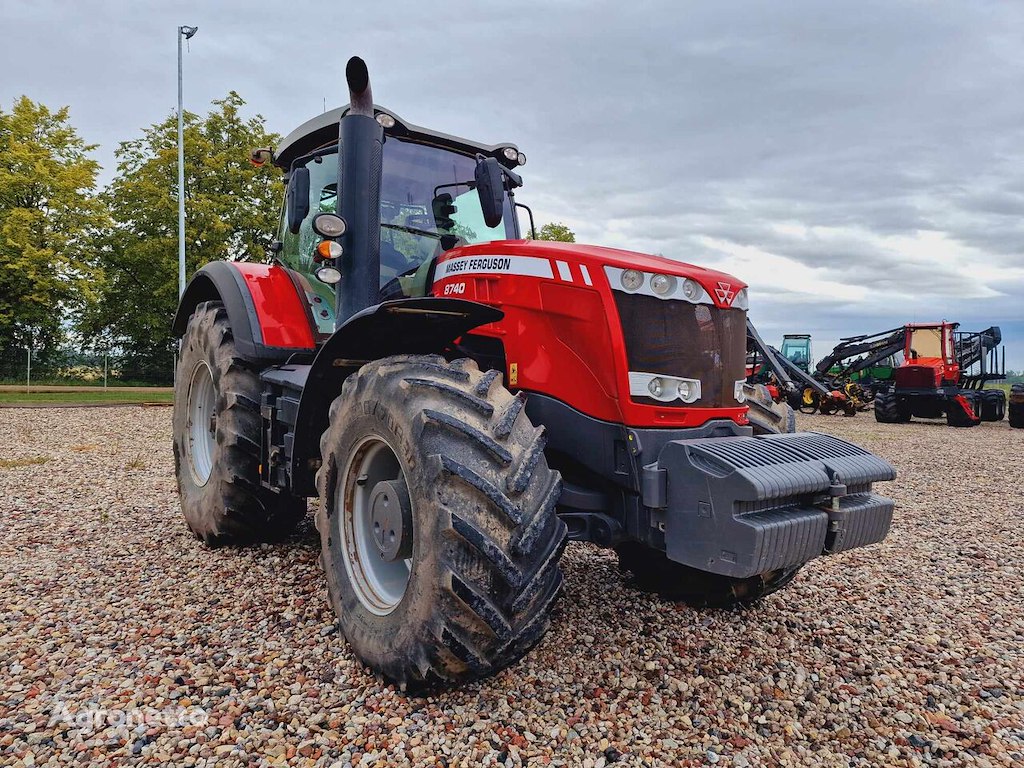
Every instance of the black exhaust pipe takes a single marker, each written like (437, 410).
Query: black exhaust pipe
(360, 153)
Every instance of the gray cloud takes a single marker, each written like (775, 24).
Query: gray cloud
(833, 136)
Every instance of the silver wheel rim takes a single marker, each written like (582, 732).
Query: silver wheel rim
(201, 430)
(379, 584)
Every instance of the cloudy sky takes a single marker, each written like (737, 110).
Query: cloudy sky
(860, 164)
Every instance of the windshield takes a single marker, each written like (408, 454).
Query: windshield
(926, 342)
(426, 208)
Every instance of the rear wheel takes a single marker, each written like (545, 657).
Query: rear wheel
(956, 416)
(1015, 408)
(437, 520)
(652, 571)
(216, 427)
(993, 405)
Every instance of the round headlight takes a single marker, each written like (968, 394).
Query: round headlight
(521, 159)
(663, 285)
(329, 275)
(685, 390)
(655, 386)
(691, 290)
(329, 225)
(384, 120)
(511, 153)
(632, 279)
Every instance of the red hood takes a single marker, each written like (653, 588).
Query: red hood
(599, 256)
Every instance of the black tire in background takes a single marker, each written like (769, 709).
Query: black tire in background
(216, 433)
(1015, 408)
(887, 408)
(993, 404)
(482, 557)
(767, 417)
(652, 571)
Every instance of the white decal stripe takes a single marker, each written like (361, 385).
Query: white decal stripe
(528, 266)
(586, 274)
(564, 272)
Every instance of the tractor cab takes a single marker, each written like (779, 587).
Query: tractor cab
(430, 203)
(929, 356)
(796, 347)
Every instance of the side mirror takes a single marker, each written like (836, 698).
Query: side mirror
(490, 186)
(297, 198)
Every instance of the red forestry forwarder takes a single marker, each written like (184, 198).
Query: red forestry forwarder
(462, 401)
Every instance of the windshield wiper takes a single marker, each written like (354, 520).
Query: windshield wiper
(412, 230)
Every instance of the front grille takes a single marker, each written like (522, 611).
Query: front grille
(692, 341)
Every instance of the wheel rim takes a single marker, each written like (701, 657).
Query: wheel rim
(202, 423)
(379, 583)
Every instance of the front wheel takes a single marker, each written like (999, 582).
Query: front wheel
(652, 571)
(216, 426)
(437, 521)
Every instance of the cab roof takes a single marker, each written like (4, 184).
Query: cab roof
(322, 131)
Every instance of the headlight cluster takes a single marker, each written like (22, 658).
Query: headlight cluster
(663, 388)
(658, 285)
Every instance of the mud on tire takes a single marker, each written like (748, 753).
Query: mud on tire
(483, 564)
(217, 461)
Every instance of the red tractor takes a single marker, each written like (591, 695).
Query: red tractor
(462, 401)
(943, 373)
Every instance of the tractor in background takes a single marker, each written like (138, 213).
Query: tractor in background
(461, 402)
(796, 347)
(943, 373)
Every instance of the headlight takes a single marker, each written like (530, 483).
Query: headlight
(663, 388)
(741, 301)
(510, 153)
(738, 391)
(328, 275)
(521, 159)
(691, 289)
(663, 285)
(329, 225)
(384, 120)
(632, 280)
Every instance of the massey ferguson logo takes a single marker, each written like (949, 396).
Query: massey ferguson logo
(725, 293)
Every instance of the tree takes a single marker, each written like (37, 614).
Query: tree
(48, 211)
(556, 231)
(231, 213)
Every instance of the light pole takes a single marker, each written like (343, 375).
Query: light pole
(187, 33)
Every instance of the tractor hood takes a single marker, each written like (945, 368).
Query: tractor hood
(577, 263)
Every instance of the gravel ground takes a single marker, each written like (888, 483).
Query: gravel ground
(123, 640)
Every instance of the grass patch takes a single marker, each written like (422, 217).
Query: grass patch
(60, 398)
(30, 461)
(136, 463)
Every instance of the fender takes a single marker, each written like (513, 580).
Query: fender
(269, 317)
(418, 326)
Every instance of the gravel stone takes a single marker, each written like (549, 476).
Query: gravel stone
(124, 641)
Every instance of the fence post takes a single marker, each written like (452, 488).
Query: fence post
(28, 371)
(104, 371)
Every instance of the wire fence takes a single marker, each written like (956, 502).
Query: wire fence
(67, 367)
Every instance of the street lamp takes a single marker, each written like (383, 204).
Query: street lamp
(187, 33)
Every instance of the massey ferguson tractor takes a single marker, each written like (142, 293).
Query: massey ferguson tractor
(462, 401)
(943, 373)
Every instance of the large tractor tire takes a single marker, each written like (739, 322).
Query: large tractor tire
(956, 416)
(437, 521)
(887, 410)
(1015, 408)
(993, 404)
(766, 416)
(216, 427)
(652, 571)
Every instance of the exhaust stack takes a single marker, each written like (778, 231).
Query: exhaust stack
(360, 153)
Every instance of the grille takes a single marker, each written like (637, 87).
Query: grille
(692, 341)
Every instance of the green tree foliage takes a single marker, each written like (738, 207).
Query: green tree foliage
(231, 209)
(47, 213)
(556, 231)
